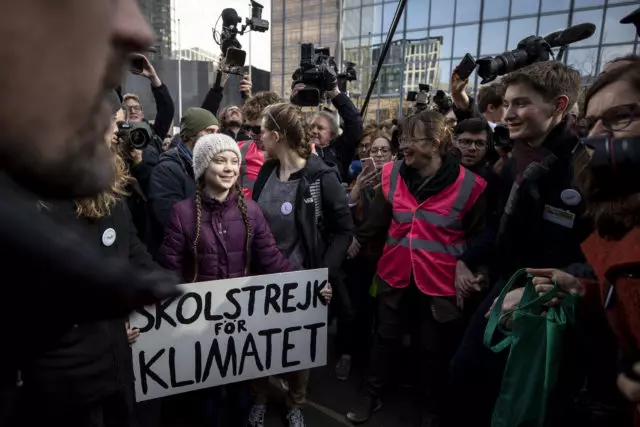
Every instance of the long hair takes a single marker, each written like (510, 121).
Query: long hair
(242, 206)
(101, 206)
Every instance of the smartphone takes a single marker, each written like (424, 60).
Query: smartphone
(136, 65)
(466, 67)
(368, 165)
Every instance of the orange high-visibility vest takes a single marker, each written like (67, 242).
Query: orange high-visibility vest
(426, 239)
(252, 161)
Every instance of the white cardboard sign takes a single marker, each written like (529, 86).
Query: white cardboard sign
(231, 330)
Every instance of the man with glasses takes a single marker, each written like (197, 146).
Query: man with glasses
(252, 150)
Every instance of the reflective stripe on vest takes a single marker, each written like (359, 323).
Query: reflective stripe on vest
(426, 239)
(451, 221)
(246, 182)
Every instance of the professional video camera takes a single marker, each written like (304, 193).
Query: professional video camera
(227, 39)
(134, 135)
(420, 98)
(442, 101)
(316, 66)
(532, 49)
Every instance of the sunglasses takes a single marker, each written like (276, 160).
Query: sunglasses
(256, 130)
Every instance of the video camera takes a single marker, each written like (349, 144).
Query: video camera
(420, 98)
(316, 65)
(228, 39)
(442, 101)
(532, 49)
(134, 135)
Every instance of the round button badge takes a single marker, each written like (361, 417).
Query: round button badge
(108, 237)
(570, 197)
(286, 208)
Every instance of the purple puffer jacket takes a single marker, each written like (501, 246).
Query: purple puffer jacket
(221, 251)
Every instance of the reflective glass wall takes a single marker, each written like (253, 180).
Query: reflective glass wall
(433, 36)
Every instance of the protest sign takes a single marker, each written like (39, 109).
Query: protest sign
(231, 330)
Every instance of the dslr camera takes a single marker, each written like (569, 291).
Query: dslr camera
(420, 98)
(134, 135)
(318, 72)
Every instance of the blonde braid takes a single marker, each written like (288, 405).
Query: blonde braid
(242, 206)
(197, 237)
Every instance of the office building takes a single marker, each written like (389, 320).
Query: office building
(442, 32)
(158, 13)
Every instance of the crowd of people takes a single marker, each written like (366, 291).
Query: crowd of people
(425, 223)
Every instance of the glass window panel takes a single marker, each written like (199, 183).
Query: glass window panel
(310, 31)
(614, 32)
(351, 3)
(612, 52)
(292, 9)
(496, 9)
(292, 32)
(555, 5)
(588, 3)
(291, 58)
(395, 53)
(415, 35)
(371, 20)
(364, 80)
(494, 35)
(389, 12)
(520, 29)
(617, 1)
(445, 36)
(351, 23)
(329, 29)
(444, 74)
(442, 13)
(367, 44)
(524, 7)
(466, 40)
(584, 60)
(594, 16)
(330, 6)
(549, 24)
(310, 7)
(390, 80)
(417, 12)
(467, 10)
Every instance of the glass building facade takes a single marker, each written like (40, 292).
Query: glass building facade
(433, 36)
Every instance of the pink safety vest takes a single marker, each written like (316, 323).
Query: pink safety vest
(426, 239)
(252, 161)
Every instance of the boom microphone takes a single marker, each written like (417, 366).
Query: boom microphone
(570, 35)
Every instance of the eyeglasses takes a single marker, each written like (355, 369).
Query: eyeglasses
(133, 108)
(256, 130)
(466, 143)
(615, 118)
(410, 141)
(381, 150)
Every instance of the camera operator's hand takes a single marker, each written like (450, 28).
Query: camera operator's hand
(148, 71)
(245, 87)
(330, 81)
(458, 95)
(136, 156)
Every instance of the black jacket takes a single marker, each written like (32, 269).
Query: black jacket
(91, 360)
(171, 182)
(527, 238)
(326, 243)
(341, 151)
(240, 136)
(58, 279)
(381, 212)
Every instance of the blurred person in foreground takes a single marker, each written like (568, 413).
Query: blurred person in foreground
(612, 111)
(64, 156)
(85, 378)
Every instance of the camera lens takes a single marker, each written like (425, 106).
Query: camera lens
(138, 139)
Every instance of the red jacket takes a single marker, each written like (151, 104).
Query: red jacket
(252, 161)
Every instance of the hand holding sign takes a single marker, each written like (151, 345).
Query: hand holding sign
(327, 293)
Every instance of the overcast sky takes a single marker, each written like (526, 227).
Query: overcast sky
(197, 18)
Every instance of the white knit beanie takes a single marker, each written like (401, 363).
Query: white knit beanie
(207, 147)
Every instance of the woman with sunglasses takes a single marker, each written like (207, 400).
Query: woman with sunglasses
(609, 179)
(429, 207)
(306, 208)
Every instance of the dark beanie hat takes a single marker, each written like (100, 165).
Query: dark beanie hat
(194, 121)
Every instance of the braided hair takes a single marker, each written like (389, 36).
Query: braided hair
(242, 206)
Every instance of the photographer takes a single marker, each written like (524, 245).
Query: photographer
(213, 99)
(164, 108)
(489, 104)
(330, 145)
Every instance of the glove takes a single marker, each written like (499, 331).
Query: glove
(329, 77)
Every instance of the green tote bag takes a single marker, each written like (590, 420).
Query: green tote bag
(535, 343)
